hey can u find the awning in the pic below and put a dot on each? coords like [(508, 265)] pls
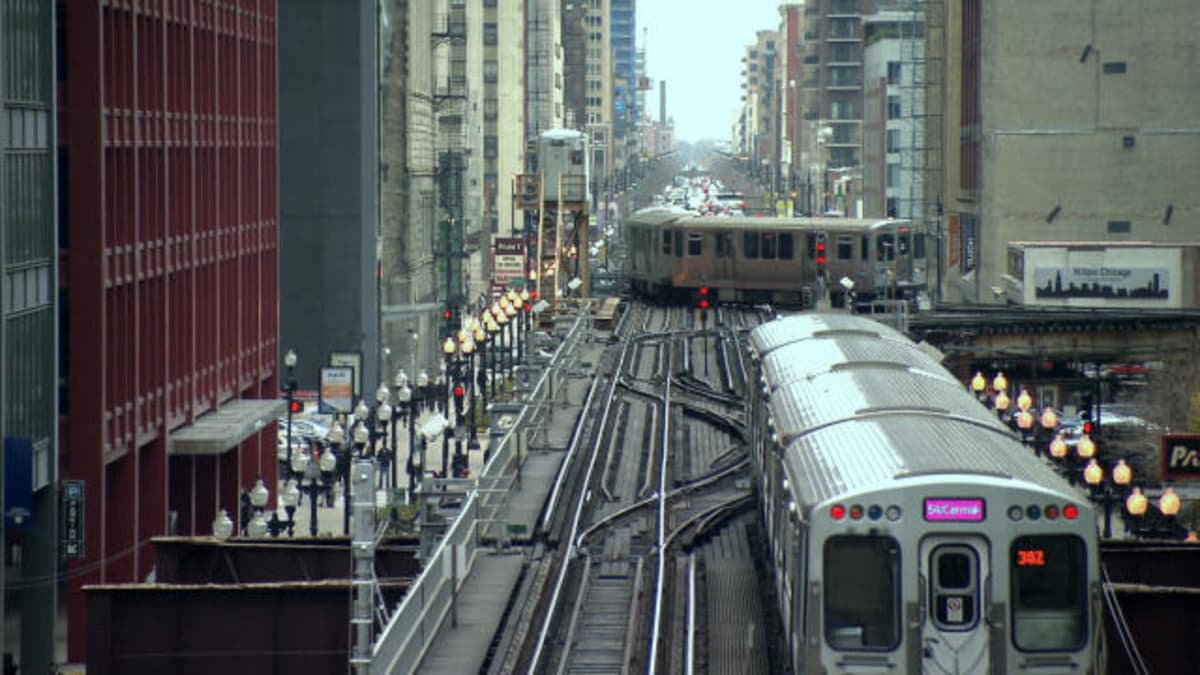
[(232, 423)]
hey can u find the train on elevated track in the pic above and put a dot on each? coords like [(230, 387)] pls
[(790, 261), (909, 530)]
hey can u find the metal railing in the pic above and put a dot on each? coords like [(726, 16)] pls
[(414, 625)]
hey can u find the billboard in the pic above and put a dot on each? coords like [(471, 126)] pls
[(509, 261), (1096, 276)]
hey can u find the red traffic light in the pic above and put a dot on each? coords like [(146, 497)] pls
[(533, 294), (459, 391), (1087, 428), (704, 290), (820, 260), (447, 314), (295, 407), (704, 304)]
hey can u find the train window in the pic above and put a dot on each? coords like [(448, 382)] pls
[(678, 243), (845, 247), (1049, 592), (862, 593), (902, 244), (577, 157), (885, 248), (787, 247), (953, 587), (810, 246), (750, 244), (666, 243), (919, 245), (768, 246), (695, 244), (866, 248)]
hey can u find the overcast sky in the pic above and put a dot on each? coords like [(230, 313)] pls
[(697, 47)]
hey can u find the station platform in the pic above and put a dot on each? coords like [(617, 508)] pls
[(463, 643)]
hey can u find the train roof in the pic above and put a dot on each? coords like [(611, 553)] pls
[(871, 389), (875, 452), (797, 327), (857, 406), (651, 217)]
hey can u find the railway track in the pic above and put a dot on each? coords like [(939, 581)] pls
[(659, 472)]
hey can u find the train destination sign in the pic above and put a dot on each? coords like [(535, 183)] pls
[(954, 510)]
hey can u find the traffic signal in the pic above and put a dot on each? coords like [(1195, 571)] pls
[(1088, 428), (704, 302), (821, 252), (295, 407)]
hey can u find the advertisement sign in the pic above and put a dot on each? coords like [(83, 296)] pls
[(1102, 282), (350, 360), (337, 389), (509, 261), (953, 241), (1181, 456), (969, 243), (72, 519)]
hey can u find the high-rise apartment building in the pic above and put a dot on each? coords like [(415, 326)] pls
[(543, 69), (891, 118), (171, 286), (29, 307), (600, 96), (761, 89)]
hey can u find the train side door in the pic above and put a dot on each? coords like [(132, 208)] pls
[(724, 269), (954, 574)]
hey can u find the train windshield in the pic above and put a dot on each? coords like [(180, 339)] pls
[(885, 248), (862, 593), (1049, 592)]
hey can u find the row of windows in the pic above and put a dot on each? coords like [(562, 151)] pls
[(782, 246)]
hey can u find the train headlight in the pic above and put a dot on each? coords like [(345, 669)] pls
[(1033, 511), (893, 513), (1051, 512), (1015, 513), (837, 511), (1070, 512), (875, 512), (856, 512)]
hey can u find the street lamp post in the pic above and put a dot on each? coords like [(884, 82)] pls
[(289, 388), (404, 400), (362, 436), (387, 423), (449, 349), (1108, 492), (468, 351), (493, 329), (259, 495)]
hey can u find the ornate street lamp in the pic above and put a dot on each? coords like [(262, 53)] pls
[(259, 495), (979, 386), (289, 387), (449, 349), (222, 525), (1108, 492), (1000, 382)]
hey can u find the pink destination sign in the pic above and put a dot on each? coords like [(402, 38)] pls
[(955, 510)]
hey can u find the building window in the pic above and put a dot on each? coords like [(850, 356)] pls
[(843, 76), (841, 110), (1114, 68), (893, 140), (844, 52), (491, 109), (491, 147), (842, 28), (893, 207), (840, 157), (894, 108), (491, 36), (843, 133), (893, 175), (491, 71), (893, 72), (1119, 227)]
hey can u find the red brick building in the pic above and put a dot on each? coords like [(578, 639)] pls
[(170, 259)]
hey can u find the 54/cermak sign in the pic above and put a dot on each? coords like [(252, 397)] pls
[(1181, 456)]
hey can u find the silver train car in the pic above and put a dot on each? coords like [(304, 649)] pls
[(780, 260), (909, 531)]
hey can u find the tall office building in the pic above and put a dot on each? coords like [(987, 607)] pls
[(171, 337), (329, 186), (28, 333), (543, 69)]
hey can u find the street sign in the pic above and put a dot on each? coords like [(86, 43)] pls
[(72, 520), (1181, 456)]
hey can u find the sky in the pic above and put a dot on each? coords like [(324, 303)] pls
[(697, 47)]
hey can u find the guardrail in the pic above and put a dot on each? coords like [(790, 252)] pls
[(412, 628)]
